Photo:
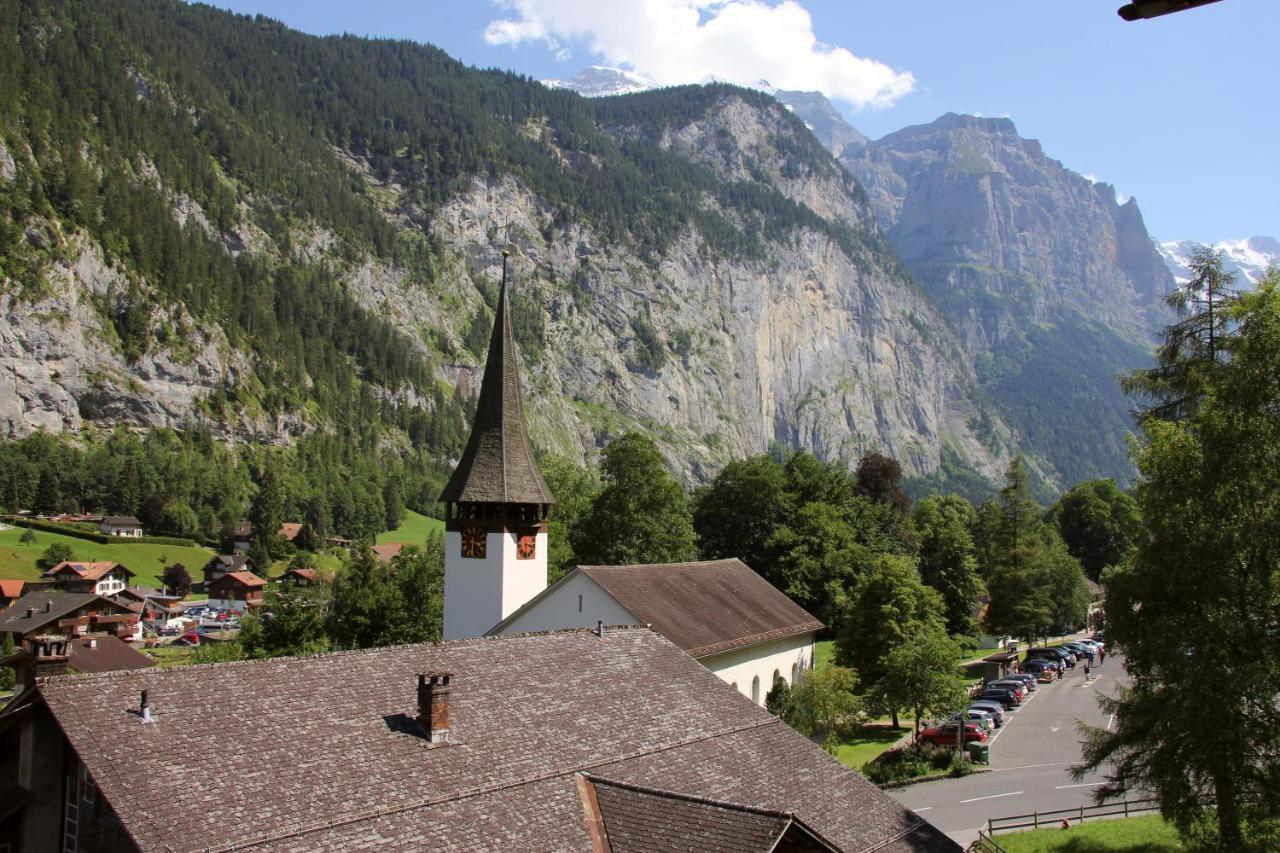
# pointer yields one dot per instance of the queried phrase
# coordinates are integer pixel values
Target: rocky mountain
(210, 218)
(1249, 258)
(1052, 285)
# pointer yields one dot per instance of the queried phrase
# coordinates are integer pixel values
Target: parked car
(1035, 666)
(1011, 684)
(947, 734)
(191, 638)
(995, 709)
(1025, 677)
(974, 715)
(1007, 698)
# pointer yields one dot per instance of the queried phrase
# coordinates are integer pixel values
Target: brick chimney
(44, 654)
(433, 706)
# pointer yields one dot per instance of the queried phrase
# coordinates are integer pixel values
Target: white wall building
(121, 525)
(720, 612)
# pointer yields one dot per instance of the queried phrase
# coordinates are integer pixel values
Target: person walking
(1086, 670)
(1102, 656)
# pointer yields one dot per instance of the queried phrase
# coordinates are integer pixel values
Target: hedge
(102, 538)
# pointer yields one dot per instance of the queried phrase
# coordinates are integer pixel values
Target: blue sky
(1177, 111)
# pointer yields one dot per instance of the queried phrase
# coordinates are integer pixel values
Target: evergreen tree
(290, 622)
(879, 477)
(368, 607)
(265, 515)
(1192, 347)
(1195, 613)
(419, 572)
(641, 515)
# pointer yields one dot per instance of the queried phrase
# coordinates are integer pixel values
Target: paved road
(1030, 758)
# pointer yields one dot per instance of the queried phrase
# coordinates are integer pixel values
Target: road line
(922, 809)
(991, 797)
(1081, 785)
(1032, 766)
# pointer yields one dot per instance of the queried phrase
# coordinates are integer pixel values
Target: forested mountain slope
(208, 218)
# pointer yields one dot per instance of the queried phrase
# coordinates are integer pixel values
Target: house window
(579, 602)
(755, 690)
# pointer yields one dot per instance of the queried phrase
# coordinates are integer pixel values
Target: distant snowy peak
(1248, 258)
(599, 81)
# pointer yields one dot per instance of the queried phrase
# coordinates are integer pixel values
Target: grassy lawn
(824, 653)
(327, 561)
(1149, 834)
(146, 561)
(869, 742)
(413, 530)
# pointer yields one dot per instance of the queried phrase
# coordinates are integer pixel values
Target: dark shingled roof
(498, 465)
(637, 819)
(704, 608)
(15, 619)
(105, 653)
(319, 753)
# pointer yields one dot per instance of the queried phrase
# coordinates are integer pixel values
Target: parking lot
(1030, 759)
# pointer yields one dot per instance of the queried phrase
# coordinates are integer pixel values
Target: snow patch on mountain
(1248, 258)
(600, 81)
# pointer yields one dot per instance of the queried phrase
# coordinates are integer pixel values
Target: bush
(898, 765)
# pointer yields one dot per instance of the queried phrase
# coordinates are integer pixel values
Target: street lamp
(1139, 9)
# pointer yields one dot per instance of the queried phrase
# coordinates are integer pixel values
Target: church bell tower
(496, 502)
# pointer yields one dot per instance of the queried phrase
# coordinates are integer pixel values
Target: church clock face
(473, 542)
(527, 544)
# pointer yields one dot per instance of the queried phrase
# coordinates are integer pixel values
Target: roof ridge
(692, 798)
(482, 790)
(663, 565)
(195, 667)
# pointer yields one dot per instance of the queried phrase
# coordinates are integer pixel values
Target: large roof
(320, 752)
(47, 606)
(704, 608)
(497, 465)
(90, 571)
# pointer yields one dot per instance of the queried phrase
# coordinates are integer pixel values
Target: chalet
(10, 591)
(241, 536)
(153, 606)
(388, 552)
(87, 653)
(720, 612)
(101, 578)
(120, 525)
(237, 591)
(303, 577)
(289, 531)
(74, 613)
(221, 564)
(565, 741)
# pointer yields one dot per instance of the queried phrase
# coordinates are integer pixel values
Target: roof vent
(31, 611)
(93, 643)
(433, 706)
(599, 627)
(144, 708)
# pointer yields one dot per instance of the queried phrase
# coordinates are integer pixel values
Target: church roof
(704, 608)
(498, 464)
(320, 752)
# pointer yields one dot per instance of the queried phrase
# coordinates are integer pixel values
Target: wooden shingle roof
(497, 465)
(704, 608)
(319, 752)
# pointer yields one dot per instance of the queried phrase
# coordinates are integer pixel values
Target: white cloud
(690, 41)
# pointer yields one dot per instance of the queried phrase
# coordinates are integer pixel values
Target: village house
(10, 591)
(388, 551)
(303, 577)
(67, 613)
(565, 741)
(153, 607)
(221, 564)
(120, 525)
(102, 577)
(720, 612)
(289, 530)
(237, 591)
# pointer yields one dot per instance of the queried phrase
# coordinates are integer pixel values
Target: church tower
(496, 502)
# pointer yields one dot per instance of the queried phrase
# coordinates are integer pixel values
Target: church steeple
(498, 464)
(496, 502)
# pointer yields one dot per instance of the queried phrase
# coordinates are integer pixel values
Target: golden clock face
(527, 544)
(473, 542)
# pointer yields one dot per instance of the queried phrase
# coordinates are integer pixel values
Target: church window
(473, 542)
(755, 690)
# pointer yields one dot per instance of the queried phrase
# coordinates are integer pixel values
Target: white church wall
(479, 592)
(578, 602)
(789, 656)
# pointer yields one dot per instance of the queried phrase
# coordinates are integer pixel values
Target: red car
(945, 734)
(191, 638)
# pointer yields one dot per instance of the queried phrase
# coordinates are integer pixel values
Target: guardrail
(1080, 814)
(985, 844)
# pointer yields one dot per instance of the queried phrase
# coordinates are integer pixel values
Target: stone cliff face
(1053, 286)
